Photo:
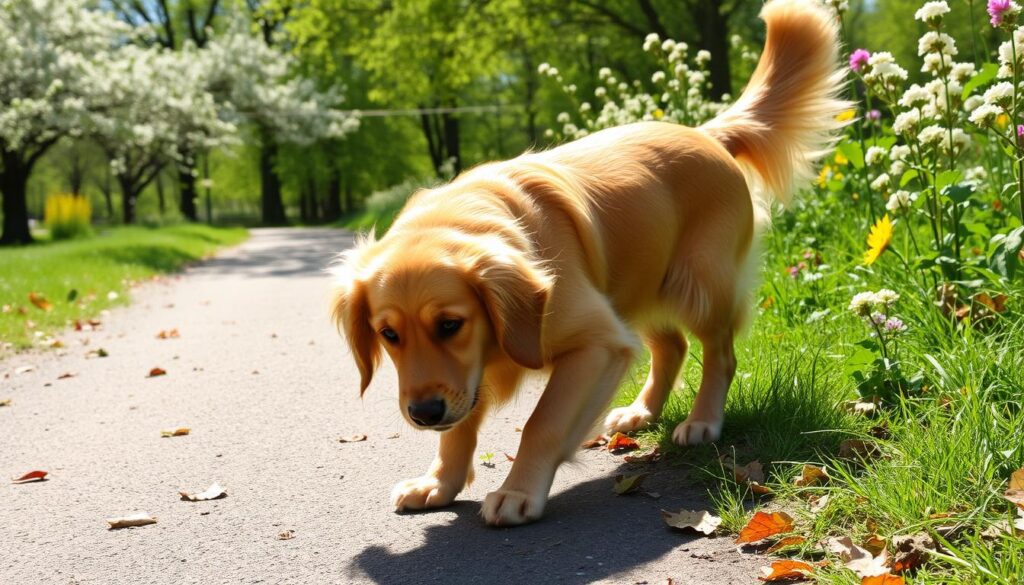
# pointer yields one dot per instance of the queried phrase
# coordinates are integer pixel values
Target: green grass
(77, 277)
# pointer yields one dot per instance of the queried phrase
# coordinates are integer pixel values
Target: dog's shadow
(588, 533)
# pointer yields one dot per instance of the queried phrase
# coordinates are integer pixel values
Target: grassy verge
(80, 278)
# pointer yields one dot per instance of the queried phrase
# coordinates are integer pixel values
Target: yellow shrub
(68, 216)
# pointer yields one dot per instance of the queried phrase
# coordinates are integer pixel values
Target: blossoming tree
(49, 88)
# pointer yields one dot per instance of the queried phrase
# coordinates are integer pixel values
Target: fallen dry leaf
(157, 372)
(1019, 522)
(598, 441)
(40, 301)
(5, 402)
(858, 559)
(24, 370)
(700, 520)
(178, 432)
(887, 579)
(786, 571)
(751, 472)
(140, 519)
(352, 439)
(763, 525)
(627, 484)
(874, 544)
(168, 334)
(645, 458)
(786, 542)
(818, 503)
(100, 353)
(811, 475)
(31, 476)
(621, 442)
(911, 550)
(858, 449)
(65, 376)
(286, 535)
(214, 492)
(1015, 491)
(510, 457)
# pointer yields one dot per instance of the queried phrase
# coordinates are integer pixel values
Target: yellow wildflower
(846, 116)
(659, 114)
(823, 175)
(840, 159)
(878, 239)
(1001, 121)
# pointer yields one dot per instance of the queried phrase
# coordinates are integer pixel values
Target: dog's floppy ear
(352, 315)
(515, 292)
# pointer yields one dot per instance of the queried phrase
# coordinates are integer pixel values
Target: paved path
(264, 383)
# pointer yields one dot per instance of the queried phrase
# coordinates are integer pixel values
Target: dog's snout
(427, 413)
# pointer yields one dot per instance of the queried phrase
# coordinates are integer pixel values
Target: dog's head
(442, 304)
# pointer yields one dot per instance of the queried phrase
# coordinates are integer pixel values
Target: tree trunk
(427, 123)
(108, 194)
(160, 195)
(187, 187)
(13, 183)
(270, 184)
(332, 201)
(451, 141)
(128, 197)
(715, 40)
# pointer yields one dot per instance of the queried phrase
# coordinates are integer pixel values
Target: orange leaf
(887, 579)
(812, 476)
(786, 571)
(751, 472)
(645, 458)
(763, 525)
(157, 372)
(510, 457)
(31, 476)
(598, 441)
(786, 542)
(1015, 491)
(621, 442)
(40, 301)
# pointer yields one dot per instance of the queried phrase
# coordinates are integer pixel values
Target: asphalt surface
(267, 387)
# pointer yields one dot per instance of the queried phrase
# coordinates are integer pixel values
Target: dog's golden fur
(566, 260)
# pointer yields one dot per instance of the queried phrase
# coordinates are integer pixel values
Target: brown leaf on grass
(786, 571)
(858, 449)
(763, 525)
(751, 472)
(214, 492)
(909, 551)
(760, 490)
(700, 520)
(178, 432)
(818, 503)
(786, 543)
(650, 457)
(40, 301)
(140, 519)
(168, 334)
(874, 544)
(1015, 491)
(628, 484)
(157, 372)
(352, 439)
(811, 476)
(621, 442)
(598, 441)
(857, 559)
(31, 476)
(1019, 522)
(65, 376)
(886, 579)
(5, 402)
(286, 535)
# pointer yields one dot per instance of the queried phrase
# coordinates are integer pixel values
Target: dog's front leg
(581, 385)
(448, 474)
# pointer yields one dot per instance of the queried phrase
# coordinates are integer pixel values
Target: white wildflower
(914, 96)
(881, 182)
(1000, 94)
(932, 12)
(985, 115)
(906, 122)
(900, 201)
(931, 135)
(874, 155)
(658, 77)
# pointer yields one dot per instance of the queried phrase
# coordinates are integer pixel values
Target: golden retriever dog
(566, 260)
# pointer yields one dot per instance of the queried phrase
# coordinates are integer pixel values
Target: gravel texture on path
(266, 386)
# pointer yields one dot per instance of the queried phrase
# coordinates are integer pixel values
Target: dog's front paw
(511, 507)
(421, 493)
(628, 419)
(696, 432)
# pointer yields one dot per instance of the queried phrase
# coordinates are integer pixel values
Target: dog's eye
(389, 334)
(448, 327)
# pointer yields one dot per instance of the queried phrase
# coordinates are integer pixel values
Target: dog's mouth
(448, 426)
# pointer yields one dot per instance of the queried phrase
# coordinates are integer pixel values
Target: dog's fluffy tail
(786, 117)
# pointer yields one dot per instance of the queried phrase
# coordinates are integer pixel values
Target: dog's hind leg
(704, 423)
(668, 350)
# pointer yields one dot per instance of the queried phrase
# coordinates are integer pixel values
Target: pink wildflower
(859, 58)
(996, 9)
(874, 115)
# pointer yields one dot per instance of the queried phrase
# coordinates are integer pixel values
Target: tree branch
(614, 18)
(653, 20)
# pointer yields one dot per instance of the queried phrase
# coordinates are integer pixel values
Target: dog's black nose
(427, 413)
